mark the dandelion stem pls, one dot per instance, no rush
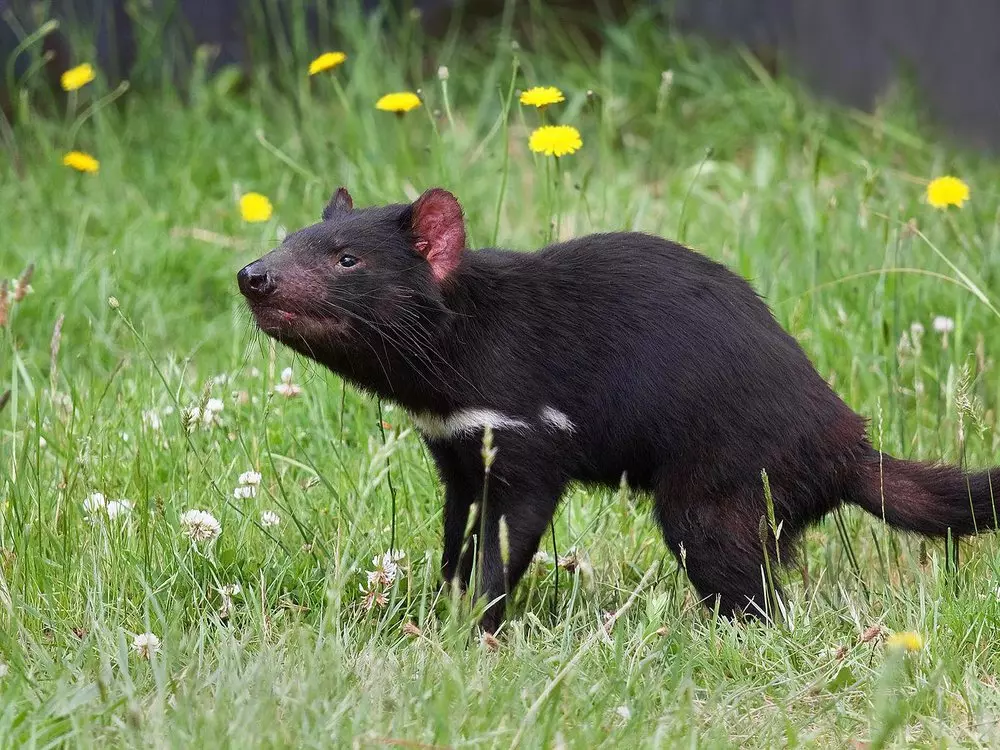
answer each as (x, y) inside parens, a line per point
(92, 109)
(505, 171)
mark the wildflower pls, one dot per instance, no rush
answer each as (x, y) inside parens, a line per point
(286, 387)
(542, 96)
(555, 140)
(942, 324)
(81, 161)
(872, 633)
(269, 518)
(255, 207)
(412, 630)
(624, 712)
(231, 590)
(200, 525)
(94, 503)
(947, 191)
(78, 77)
(326, 61)
(400, 102)
(152, 420)
(443, 73)
(907, 640)
(373, 597)
(250, 477)
(570, 562)
(385, 570)
(245, 492)
(145, 645)
(541, 558)
(117, 508)
(113, 303)
(227, 593)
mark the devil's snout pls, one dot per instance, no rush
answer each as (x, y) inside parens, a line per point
(256, 282)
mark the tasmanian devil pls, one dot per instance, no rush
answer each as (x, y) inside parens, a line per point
(608, 355)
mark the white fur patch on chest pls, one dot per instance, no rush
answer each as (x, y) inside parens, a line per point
(555, 418)
(471, 421)
(466, 422)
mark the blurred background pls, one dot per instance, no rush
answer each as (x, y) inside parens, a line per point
(851, 51)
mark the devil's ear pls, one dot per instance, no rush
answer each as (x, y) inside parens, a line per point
(438, 230)
(340, 203)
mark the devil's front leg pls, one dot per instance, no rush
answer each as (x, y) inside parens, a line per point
(461, 488)
(526, 508)
(523, 488)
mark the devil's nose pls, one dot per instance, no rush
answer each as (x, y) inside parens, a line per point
(255, 282)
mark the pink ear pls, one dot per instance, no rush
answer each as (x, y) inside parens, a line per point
(439, 230)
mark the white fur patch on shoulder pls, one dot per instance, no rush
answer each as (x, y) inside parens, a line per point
(464, 422)
(556, 418)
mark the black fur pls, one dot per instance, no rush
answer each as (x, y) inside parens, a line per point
(670, 368)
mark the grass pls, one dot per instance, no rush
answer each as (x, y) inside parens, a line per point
(813, 205)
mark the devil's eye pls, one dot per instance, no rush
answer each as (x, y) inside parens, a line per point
(347, 261)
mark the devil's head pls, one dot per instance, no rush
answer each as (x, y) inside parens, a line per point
(362, 283)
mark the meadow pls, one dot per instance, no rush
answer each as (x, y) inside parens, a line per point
(138, 391)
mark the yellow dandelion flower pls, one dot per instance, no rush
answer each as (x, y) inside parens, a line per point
(81, 162)
(78, 77)
(947, 191)
(555, 140)
(399, 103)
(542, 96)
(907, 640)
(326, 61)
(255, 207)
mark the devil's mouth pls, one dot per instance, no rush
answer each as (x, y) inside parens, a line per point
(280, 323)
(270, 318)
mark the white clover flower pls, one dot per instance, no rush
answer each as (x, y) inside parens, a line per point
(215, 405)
(250, 477)
(624, 712)
(286, 387)
(943, 324)
(145, 645)
(244, 492)
(386, 568)
(269, 518)
(917, 328)
(374, 597)
(117, 508)
(92, 505)
(200, 525)
(231, 590)
(541, 558)
(152, 420)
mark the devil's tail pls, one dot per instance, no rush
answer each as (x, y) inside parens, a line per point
(928, 499)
